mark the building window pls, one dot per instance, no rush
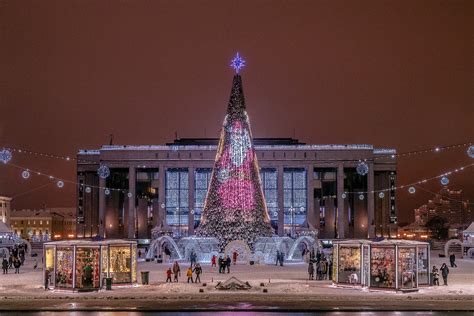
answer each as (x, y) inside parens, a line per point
(270, 191)
(177, 195)
(294, 196)
(202, 178)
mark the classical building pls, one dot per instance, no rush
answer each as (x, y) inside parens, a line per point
(304, 185)
(5, 205)
(42, 225)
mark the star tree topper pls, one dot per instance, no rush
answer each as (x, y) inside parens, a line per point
(237, 63)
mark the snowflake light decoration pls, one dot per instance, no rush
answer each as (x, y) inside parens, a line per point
(470, 151)
(60, 184)
(237, 63)
(381, 195)
(362, 168)
(411, 190)
(107, 191)
(444, 180)
(343, 195)
(5, 155)
(88, 189)
(25, 174)
(103, 171)
(129, 194)
(361, 197)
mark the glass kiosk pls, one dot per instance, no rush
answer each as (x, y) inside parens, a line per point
(84, 265)
(389, 264)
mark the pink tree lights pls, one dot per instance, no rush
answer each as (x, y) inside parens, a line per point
(235, 206)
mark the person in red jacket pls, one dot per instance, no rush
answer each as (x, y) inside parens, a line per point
(168, 275)
(213, 261)
(234, 257)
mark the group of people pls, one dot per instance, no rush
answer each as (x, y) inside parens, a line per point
(444, 273)
(190, 272)
(321, 265)
(222, 262)
(15, 259)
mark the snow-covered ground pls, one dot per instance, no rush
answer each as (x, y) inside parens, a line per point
(287, 287)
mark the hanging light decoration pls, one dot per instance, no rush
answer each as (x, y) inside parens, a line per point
(25, 174)
(129, 194)
(361, 197)
(381, 195)
(362, 168)
(103, 171)
(411, 190)
(444, 180)
(88, 189)
(107, 191)
(60, 184)
(343, 195)
(5, 155)
(470, 151)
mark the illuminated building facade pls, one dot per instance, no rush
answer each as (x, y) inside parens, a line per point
(303, 185)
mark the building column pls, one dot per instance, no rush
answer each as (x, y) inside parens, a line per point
(370, 202)
(310, 214)
(341, 214)
(191, 201)
(161, 214)
(102, 207)
(131, 202)
(281, 210)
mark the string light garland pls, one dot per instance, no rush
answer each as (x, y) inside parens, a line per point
(445, 174)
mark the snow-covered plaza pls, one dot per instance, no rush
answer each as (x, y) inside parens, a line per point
(287, 287)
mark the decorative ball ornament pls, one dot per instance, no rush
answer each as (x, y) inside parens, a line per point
(381, 195)
(362, 168)
(444, 181)
(192, 212)
(361, 197)
(275, 214)
(25, 174)
(129, 194)
(107, 192)
(103, 171)
(163, 205)
(470, 151)
(343, 195)
(88, 190)
(5, 155)
(60, 184)
(411, 190)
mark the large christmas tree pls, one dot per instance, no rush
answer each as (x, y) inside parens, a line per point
(235, 207)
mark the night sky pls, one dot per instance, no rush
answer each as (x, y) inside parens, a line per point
(396, 74)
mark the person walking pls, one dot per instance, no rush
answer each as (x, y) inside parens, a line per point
(213, 261)
(10, 261)
(17, 265)
(452, 260)
(176, 271)
(46, 280)
(189, 274)
(193, 258)
(168, 275)
(234, 257)
(310, 271)
(221, 263)
(435, 275)
(282, 258)
(444, 273)
(278, 257)
(5, 265)
(198, 271)
(139, 253)
(228, 262)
